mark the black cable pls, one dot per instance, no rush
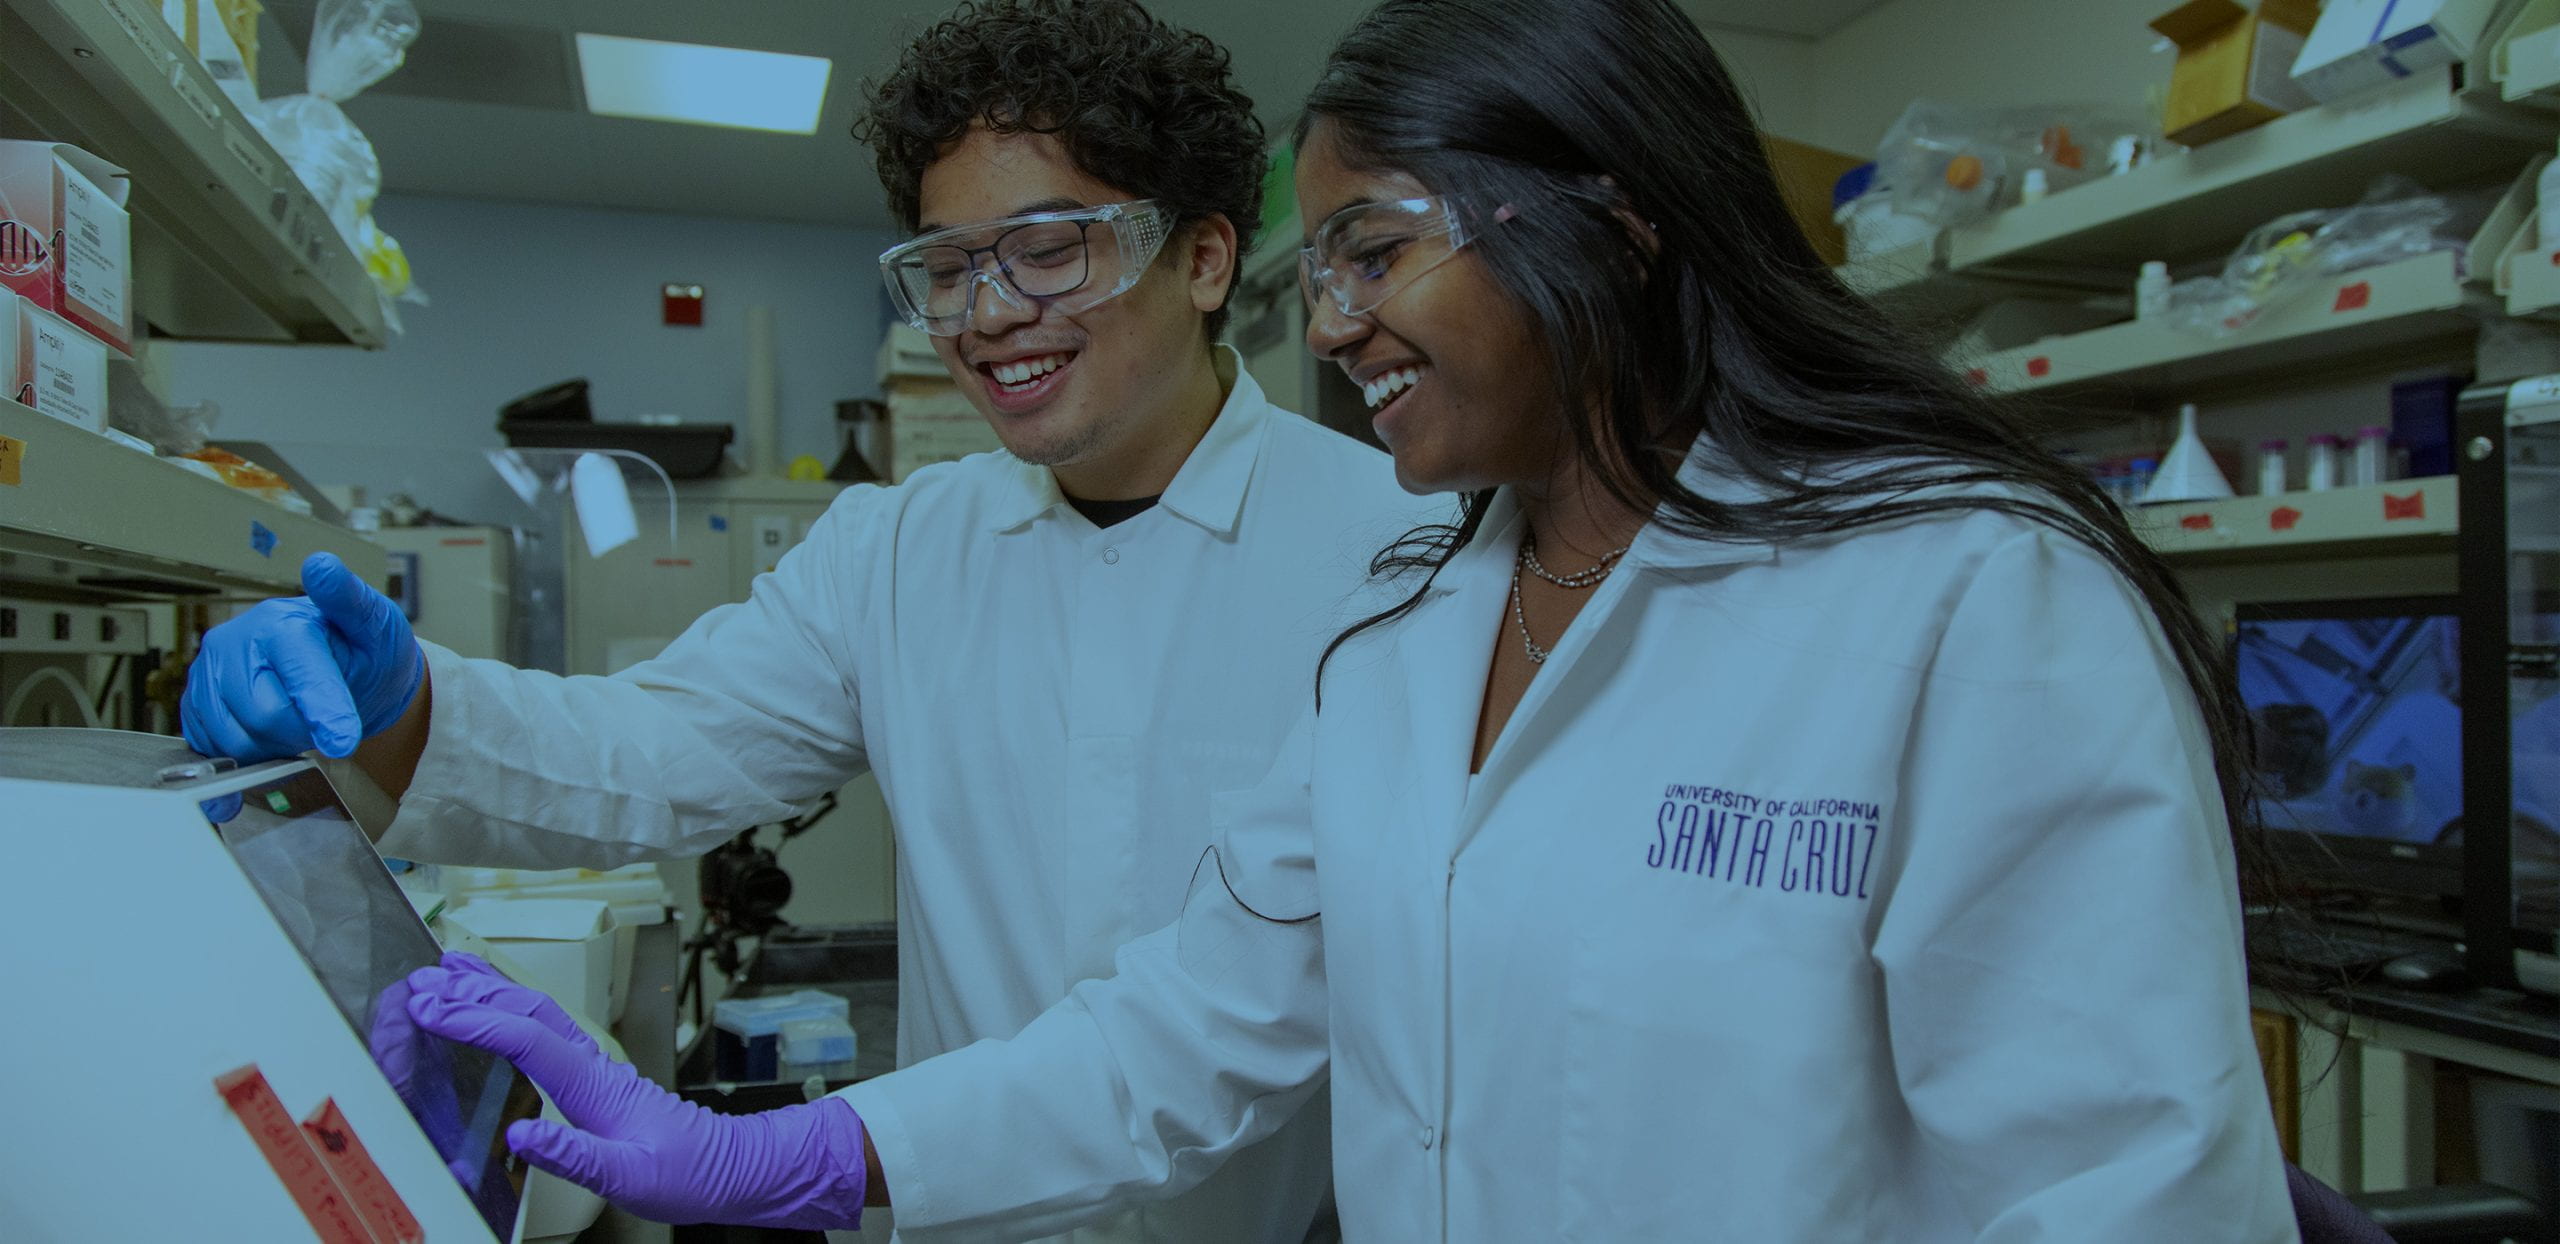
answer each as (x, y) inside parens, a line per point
(107, 687)
(1212, 851)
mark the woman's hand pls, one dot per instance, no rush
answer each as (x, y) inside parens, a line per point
(631, 1141)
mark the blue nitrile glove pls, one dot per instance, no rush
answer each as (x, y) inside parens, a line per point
(328, 669)
(636, 1144)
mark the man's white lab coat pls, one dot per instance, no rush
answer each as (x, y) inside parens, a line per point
(1049, 708)
(1873, 887)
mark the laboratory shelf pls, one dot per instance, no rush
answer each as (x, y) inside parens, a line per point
(2526, 64)
(2402, 304)
(91, 516)
(2201, 200)
(2404, 516)
(2532, 283)
(228, 244)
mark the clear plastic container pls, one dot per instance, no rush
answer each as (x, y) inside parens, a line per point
(2320, 474)
(2372, 461)
(817, 1047)
(2271, 467)
(2111, 482)
(747, 1034)
(2137, 479)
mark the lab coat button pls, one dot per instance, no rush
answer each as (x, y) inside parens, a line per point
(1430, 1136)
(1111, 557)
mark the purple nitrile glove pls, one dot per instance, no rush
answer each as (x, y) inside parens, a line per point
(420, 1068)
(636, 1144)
(327, 670)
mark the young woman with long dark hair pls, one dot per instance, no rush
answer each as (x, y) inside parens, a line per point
(1789, 805)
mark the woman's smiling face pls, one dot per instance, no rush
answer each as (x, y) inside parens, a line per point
(1457, 380)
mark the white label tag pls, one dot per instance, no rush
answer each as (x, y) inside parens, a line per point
(95, 247)
(70, 374)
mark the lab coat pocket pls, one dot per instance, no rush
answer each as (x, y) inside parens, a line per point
(1707, 1058)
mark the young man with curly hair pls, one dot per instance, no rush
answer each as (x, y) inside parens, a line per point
(1054, 658)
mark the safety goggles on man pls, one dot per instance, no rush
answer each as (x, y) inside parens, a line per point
(1072, 261)
(1362, 255)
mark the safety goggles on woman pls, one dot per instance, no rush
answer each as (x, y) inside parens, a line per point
(1072, 261)
(1364, 254)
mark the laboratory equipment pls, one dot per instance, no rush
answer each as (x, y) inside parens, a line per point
(2357, 739)
(748, 1032)
(2320, 473)
(2507, 456)
(2137, 479)
(2271, 468)
(2189, 473)
(2151, 291)
(456, 585)
(2372, 461)
(219, 1030)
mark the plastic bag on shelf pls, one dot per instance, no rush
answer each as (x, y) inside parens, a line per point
(132, 408)
(2292, 255)
(1951, 163)
(354, 44)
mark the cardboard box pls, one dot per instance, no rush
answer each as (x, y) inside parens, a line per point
(1805, 175)
(48, 363)
(2235, 67)
(561, 946)
(65, 241)
(907, 353)
(2362, 44)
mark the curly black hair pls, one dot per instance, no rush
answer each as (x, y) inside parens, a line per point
(1139, 104)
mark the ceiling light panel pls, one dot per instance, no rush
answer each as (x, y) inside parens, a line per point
(697, 84)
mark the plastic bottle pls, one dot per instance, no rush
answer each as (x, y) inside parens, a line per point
(2123, 154)
(2372, 456)
(2033, 186)
(2151, 291)
(2137, 478)
(2111, 481)
(2271, 467)
(2321, 473)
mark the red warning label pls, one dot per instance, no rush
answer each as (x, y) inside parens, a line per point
(362, 1179)
(277, 1137)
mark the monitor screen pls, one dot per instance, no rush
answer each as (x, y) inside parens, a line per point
(2356, 718)
(329, 892)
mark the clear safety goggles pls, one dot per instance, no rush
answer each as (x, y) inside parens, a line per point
(1366, 253)
(1072, 261)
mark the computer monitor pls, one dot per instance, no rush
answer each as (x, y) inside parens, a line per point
(2356, 739)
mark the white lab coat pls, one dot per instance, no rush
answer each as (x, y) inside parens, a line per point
(1049, 708)
(1867, 888)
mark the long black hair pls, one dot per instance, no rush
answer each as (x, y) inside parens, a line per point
(1733, 327)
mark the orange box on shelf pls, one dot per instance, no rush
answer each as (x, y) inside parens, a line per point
(2235, 67)
(65, 240)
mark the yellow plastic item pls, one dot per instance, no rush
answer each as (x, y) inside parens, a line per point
(1964, 172)
(805, 467)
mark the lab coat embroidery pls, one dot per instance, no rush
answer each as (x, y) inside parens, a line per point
(1801, 846)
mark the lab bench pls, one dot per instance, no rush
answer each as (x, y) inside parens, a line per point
(2368, 1060)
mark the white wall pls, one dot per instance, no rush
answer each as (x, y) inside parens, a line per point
(1777, 74)
(1980, 51)
(526, 295)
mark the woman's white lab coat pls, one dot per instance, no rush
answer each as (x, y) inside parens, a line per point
(1869, 888)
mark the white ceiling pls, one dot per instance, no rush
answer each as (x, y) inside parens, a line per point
(543, 149)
